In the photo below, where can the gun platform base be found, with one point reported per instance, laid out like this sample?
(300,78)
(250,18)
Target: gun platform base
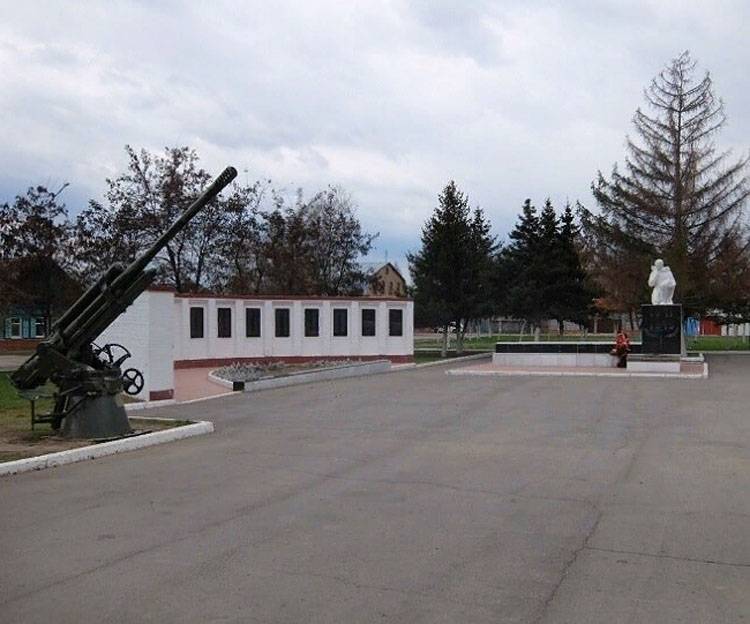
(96,417)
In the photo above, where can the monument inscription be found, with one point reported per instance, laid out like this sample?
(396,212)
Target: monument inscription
(661,329)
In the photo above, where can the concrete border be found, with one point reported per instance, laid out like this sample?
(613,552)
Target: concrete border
(356,369)
(578,373)
(71,456)
(453,360)
(142,405)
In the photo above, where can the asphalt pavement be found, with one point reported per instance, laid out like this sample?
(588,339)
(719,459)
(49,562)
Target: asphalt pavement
(406,497)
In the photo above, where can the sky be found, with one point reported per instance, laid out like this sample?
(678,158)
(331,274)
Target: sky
(389,100)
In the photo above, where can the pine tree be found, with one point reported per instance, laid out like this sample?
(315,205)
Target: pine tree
(678,198)
(521,269)
(540,275)
(551,269)
(451,271)
(573,292)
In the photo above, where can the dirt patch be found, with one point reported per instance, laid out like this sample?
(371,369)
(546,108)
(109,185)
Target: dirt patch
(20,445)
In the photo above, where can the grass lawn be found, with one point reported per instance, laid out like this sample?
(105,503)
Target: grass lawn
(15,411)
(719,343)
(18,441)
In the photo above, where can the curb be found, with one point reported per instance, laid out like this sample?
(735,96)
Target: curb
(529,373)
(463,358)
(94,451)
(142,405)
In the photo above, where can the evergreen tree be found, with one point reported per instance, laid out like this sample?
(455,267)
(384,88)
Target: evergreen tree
(551,269)
(521,278)
(678,198)
(540,272)
(573,292)
(452,270)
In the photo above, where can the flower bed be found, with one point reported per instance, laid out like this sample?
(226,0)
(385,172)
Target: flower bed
(265,370)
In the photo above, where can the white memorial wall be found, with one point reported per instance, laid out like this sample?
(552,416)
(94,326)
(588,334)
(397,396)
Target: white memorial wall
(167,331)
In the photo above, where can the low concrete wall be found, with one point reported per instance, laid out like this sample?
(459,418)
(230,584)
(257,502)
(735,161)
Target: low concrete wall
(599,360)
(654,367)
(303,377)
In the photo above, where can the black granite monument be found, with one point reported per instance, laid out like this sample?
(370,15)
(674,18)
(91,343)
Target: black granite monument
(661,329)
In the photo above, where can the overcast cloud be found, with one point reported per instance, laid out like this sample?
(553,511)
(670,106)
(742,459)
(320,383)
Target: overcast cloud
(389,100)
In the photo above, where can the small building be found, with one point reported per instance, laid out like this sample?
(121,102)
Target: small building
(22,328)
(21,322)
(165,331)
(386,281)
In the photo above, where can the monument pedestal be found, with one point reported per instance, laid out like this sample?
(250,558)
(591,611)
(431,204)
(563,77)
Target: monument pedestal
(661,340)
(661,329)
(654,363)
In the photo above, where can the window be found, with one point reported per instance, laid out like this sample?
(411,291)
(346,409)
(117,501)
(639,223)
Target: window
(282,322)
(15,327)
(196,322)
(395,322)
(252,322)
(368,322)
(340,322)
(224,322)
(312,322)
(40,327)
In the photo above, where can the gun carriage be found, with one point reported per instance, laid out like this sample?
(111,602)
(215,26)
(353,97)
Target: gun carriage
(89,378)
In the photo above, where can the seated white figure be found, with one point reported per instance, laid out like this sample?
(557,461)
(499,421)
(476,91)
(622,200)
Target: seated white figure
(663,283)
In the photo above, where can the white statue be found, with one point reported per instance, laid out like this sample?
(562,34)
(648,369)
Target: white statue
(663,283)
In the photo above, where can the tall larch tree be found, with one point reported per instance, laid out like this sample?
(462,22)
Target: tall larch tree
(677,197)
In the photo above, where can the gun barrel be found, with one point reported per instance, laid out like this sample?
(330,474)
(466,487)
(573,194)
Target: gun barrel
(86,298)
(96,317)
(103,302)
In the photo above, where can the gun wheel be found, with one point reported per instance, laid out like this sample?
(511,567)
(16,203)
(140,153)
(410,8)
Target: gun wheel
(132,381)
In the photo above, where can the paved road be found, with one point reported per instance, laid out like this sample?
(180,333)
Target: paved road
(410,497)
(12,362)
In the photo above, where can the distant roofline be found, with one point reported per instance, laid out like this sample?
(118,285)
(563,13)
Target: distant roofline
(393,266)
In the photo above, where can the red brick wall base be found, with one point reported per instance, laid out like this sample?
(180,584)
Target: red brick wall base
(295,359)
(18,345)
(161,395)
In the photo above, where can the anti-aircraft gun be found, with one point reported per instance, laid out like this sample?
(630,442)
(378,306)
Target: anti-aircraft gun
(89,379)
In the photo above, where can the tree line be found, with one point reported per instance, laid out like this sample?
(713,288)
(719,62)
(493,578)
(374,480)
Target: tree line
(462,273)
(251,239)
(678,198)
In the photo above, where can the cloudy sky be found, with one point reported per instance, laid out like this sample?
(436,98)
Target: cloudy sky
(388,99)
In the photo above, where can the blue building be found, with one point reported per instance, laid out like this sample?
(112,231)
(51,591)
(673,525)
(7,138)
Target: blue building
(23,322)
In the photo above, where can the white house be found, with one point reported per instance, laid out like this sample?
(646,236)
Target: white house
(165,331)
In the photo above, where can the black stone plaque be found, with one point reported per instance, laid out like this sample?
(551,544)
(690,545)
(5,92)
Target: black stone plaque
(661,329)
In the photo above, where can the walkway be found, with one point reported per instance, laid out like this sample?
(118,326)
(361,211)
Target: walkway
(410,497)
(193,383)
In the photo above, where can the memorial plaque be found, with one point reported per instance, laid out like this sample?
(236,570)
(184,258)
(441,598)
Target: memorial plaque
(661,328)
